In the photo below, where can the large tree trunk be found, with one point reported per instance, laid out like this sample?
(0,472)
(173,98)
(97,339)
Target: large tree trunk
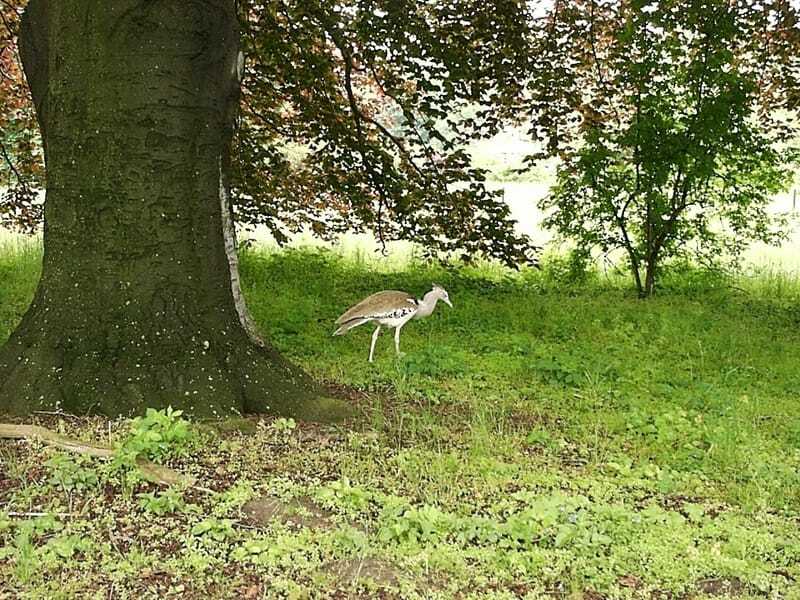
(139,304)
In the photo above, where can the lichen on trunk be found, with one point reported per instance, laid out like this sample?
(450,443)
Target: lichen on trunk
(139,303)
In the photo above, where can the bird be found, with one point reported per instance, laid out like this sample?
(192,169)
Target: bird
(390,308)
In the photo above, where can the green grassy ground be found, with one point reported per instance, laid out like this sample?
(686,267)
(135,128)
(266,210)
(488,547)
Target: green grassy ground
(545,437)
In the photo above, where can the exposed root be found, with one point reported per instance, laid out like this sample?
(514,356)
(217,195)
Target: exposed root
(151,471)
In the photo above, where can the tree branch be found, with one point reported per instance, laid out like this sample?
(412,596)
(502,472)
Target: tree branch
(22,181)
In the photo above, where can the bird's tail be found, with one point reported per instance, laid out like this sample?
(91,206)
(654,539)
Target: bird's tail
(345,327)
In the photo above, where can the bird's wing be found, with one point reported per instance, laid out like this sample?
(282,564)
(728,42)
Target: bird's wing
(378,305)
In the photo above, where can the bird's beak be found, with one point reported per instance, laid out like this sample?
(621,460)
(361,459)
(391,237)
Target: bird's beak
(447,301)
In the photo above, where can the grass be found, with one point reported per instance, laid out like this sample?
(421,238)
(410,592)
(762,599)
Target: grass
(549,436)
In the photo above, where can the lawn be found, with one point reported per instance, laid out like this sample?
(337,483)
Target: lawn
(549,436)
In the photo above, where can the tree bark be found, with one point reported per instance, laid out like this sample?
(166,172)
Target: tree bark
(137,303)
(649,281)
(636,272)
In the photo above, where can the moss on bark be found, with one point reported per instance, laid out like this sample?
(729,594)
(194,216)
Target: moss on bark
(135,308)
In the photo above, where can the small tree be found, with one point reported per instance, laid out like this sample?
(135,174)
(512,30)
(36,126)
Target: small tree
(667,120)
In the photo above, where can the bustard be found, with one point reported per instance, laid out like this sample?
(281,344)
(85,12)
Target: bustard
(390,309)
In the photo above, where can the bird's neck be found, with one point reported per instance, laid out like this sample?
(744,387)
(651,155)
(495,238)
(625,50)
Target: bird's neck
(426,305)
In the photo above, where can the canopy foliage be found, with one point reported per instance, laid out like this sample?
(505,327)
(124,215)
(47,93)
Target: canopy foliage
(354,116)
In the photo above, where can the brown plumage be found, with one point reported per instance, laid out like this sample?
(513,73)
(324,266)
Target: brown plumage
(389,309)
(374,307)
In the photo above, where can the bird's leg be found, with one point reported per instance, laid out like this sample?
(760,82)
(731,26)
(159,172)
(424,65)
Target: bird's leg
(397,340)
(374,339)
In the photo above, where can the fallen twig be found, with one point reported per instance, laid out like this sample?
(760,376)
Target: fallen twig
(27,515)
(57,413)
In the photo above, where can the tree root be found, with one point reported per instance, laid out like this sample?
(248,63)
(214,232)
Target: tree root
(151,471)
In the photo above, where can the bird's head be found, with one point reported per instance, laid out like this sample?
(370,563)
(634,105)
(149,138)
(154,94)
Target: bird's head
(442,294)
